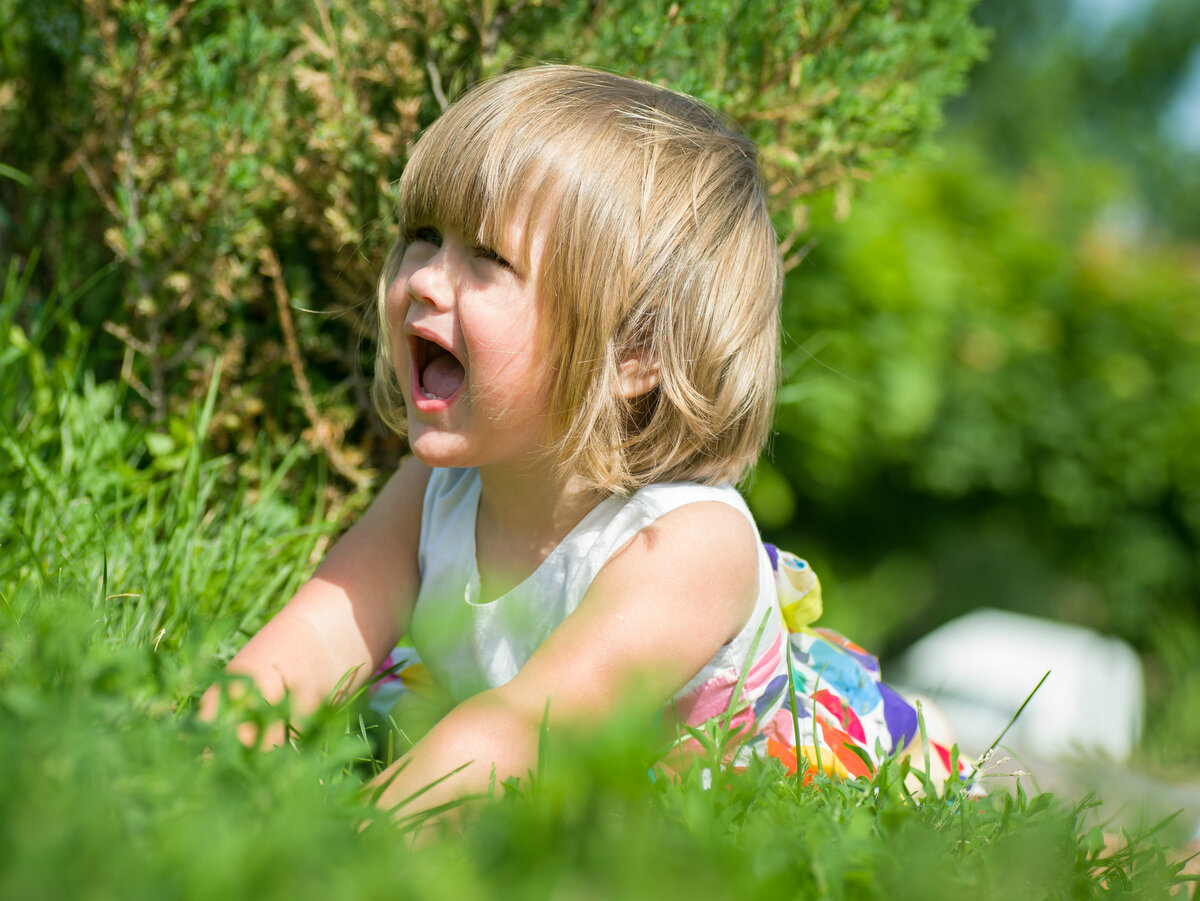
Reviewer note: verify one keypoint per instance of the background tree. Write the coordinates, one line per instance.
(995, 391)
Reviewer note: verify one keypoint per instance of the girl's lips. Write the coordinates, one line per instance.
(437, 376)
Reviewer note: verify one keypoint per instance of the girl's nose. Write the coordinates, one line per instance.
(430, 283)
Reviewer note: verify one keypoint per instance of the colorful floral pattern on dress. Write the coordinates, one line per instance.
(836, 715)
(841, 719)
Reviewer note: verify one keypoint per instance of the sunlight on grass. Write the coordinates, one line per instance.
(131, 567)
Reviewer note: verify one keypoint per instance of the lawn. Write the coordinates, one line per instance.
(133, 562)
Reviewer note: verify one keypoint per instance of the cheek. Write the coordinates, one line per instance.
(526, 365)
(510, 341)
(395, 303)
(395, 308)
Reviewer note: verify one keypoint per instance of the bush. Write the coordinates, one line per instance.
(235, 162)
(1000, 375)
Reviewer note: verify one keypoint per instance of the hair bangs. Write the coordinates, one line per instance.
(478, 173)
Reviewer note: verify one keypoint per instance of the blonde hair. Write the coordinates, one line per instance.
(659, 249)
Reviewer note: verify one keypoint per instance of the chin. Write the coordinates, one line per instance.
(437, 450)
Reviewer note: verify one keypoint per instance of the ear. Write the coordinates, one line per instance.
(637, 376)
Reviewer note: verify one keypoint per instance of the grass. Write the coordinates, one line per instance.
(133, 563)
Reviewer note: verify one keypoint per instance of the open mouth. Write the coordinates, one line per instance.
(439, 373)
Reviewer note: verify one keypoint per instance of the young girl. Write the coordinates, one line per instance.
(580, 339)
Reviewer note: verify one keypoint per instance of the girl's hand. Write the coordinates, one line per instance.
(345, 619)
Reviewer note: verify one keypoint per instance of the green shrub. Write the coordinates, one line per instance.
(235, 161)
(1002, 379)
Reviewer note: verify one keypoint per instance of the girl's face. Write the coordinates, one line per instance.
(465, 328)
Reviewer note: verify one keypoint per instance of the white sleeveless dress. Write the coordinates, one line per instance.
(462, 645)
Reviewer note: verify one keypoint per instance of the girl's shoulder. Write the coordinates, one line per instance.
(661, 498)
(700, 518)
(682, 520)
(699, 543)
(717, 514)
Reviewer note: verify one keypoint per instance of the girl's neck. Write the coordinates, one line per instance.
(522, 517)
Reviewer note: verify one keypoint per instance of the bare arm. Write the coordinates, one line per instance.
(346, 618)
(656, 613)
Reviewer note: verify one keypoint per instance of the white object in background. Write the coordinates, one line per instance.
(982, 666)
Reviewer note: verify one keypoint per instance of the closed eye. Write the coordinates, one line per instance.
(423, 234)
(486, 253)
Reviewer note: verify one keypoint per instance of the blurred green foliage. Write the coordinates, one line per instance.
(995, 402)
(994, 386)
(1086, 77)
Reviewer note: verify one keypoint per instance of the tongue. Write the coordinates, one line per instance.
(442, 376)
